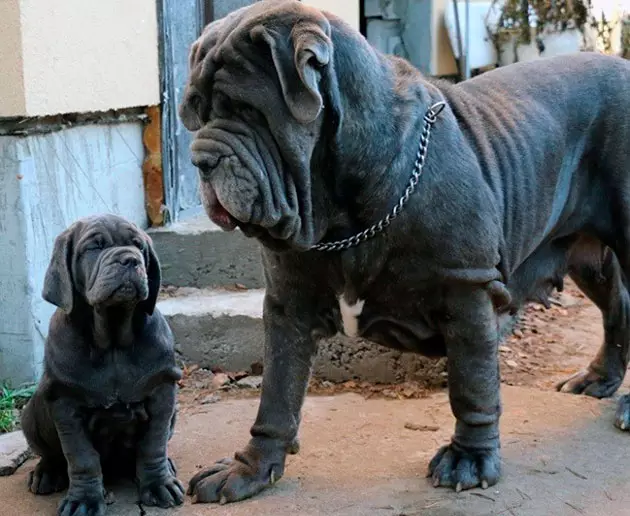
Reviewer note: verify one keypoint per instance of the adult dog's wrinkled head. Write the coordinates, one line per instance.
(261, 87)
(103, 261)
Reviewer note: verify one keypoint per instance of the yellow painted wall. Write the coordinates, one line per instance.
(78, 55)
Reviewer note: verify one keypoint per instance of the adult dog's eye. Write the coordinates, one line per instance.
(245, 111)
(221, 104)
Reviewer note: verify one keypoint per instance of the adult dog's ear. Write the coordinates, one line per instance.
(154, 276)
(301, 60)
(58, 285)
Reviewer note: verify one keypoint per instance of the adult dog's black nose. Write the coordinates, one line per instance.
(129, 260)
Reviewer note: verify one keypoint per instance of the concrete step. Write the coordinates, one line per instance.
(218, 327)
(196, 253)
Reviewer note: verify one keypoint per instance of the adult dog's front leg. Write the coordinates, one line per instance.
(86, 496)
(157, 483)
(472, 458)
(289, 351)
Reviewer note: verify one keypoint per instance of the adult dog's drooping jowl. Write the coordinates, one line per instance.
(306, 134)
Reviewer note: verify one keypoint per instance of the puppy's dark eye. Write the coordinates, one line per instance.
(139, 243)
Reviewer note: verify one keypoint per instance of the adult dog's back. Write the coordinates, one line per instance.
(553, 141)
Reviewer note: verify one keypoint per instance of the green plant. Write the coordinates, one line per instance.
(604, 32)
(517, 16)
(12, 400)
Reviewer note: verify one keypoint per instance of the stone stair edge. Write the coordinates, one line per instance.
(191, 301)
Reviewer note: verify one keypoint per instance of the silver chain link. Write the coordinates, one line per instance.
(339, 245)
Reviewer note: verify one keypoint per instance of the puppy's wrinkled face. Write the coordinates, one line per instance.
(110, 267)
(103, 261)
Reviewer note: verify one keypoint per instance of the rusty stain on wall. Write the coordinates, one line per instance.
(152, 167)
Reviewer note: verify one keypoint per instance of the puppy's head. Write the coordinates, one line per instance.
(103, 261)
(261, 90)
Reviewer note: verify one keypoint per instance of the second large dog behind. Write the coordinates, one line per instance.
(105, 406)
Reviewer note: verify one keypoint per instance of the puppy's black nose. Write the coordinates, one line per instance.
(129, 260)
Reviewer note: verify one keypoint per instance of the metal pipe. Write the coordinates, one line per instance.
(461, 60)
(467, 58)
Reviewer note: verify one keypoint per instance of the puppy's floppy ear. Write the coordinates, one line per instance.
(154, 275)
(300, 59)
(58, 283)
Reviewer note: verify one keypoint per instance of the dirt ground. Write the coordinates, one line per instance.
(365, 448)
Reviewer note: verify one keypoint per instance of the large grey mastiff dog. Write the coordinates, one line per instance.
(105, 406)
(415, 224)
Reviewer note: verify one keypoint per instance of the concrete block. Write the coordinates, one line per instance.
(14, 451)
(196, 253)
(218, 328)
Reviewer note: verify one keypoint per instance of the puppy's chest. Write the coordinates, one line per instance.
(116, 381)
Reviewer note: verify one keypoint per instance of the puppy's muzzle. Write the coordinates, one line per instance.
(121, 277)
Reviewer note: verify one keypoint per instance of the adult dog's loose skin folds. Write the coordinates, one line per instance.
(105, 406)
(305, 134)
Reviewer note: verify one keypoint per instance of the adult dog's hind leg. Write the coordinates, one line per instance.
(598, 273)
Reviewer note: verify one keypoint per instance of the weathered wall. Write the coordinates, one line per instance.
(46, 182)
(77, 56)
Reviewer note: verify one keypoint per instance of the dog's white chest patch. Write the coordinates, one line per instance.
(350, 315)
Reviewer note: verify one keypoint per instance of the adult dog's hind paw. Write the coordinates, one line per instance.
(622, 416)
(590, 383)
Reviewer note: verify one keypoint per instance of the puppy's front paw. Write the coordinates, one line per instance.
(84, 504)
(455, 466)
(46, 478)
(165, 492)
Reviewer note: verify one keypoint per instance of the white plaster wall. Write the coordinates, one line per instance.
(46, 182)
(79, 55)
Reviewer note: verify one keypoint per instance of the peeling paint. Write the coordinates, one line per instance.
(152, 167)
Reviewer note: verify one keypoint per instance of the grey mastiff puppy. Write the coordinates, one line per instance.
(313, 142)
(105, 405)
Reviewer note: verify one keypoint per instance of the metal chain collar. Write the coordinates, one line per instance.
(339, 245)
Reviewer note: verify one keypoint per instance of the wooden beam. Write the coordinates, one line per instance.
(152, 167)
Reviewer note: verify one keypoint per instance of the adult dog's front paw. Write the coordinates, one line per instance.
(232, 480)
(165, 492)
(590, 383)
(82, 504)
(455, 466)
